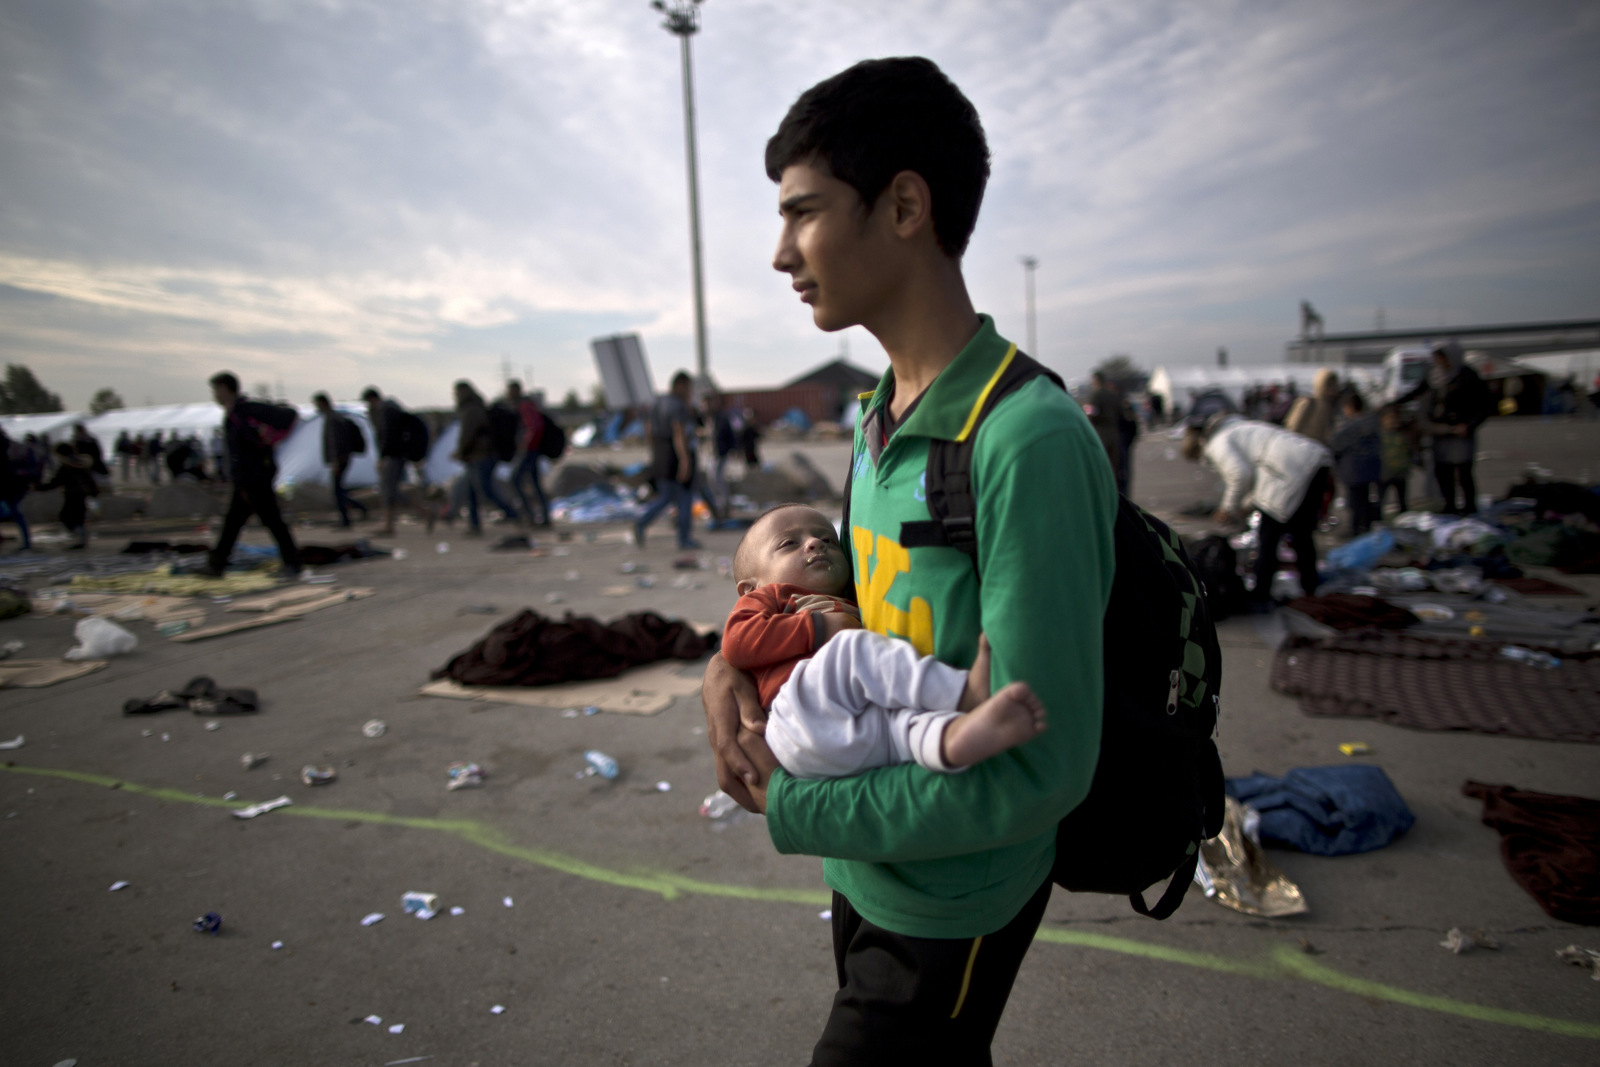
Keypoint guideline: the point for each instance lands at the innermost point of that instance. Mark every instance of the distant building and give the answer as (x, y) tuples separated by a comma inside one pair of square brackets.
[(822, 393), (1509, 341)]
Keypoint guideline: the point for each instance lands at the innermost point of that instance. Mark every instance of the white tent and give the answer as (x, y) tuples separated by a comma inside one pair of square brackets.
[(1178, 384), (300, 454), (57, 424)]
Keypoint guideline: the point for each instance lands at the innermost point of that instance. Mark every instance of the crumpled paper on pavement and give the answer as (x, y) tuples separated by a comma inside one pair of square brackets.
[(1235, 872)]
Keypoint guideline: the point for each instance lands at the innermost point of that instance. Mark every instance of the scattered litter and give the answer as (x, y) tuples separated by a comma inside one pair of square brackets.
[(826, 915), (555, 598), (663, 787), (457, 909), (599, 763), (1432, 612), (397, 1028), (372, 920), (569, 713), (250, 760), (67, 1063), (119, 885), (15, 742), (631, 567), (442, 547), (173, 629), (375, 1020), (498, 1009), (374, 727), (213, 725), (262, 808), (230, 795), (166, 737), (100, 638), (422, 905), (209, 923), (276, 945), (477, 609), (398, 554), (645, 581), (719, 805), (506, 901), (465, 776), (572, 576), (591, 710), (408, 1059), (147, 733), (1235, 872), (1459, 941), (1530, 657), (1581, 957), (1356, 748), (312, 775)]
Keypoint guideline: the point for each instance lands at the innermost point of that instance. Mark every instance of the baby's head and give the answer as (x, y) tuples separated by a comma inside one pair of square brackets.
[(792, 544)]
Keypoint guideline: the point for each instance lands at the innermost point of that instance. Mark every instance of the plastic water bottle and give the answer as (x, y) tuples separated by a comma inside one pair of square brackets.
[(1530, 657), (601, 764)]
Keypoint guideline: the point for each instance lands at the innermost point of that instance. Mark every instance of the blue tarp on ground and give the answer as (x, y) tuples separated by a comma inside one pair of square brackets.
[(1326, 811)]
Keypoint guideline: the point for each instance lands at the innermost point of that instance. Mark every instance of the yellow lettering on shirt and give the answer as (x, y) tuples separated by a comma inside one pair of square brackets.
[(875, 575)]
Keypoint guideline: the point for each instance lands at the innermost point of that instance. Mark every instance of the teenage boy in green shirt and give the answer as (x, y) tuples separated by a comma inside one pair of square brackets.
[(939, 881)]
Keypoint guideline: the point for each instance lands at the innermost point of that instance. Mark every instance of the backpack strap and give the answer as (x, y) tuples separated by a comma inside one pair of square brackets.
[(951, 500)]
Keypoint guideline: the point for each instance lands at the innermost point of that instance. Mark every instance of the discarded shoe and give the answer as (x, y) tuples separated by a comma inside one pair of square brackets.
[(201, 696)]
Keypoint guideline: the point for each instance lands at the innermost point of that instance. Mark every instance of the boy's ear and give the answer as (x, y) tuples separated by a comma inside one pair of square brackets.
[(746, 586), (910, 202)]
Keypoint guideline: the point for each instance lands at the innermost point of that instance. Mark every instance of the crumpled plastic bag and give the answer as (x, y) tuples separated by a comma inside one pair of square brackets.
[(1236, 873), (100, 639)]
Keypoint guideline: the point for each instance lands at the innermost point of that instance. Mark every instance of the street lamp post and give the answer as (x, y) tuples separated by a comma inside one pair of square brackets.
[(1028, 265), (683, 21)]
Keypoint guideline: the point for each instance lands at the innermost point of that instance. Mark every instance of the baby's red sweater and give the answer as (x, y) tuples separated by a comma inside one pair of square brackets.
[(772, 628)]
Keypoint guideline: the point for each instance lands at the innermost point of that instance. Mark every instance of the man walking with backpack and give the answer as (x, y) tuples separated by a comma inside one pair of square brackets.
[(341, 439), (401, 437), (939, 883), (250, 430), (532, 427)]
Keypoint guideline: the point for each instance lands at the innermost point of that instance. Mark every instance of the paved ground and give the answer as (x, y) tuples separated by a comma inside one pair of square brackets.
[(641, 933)]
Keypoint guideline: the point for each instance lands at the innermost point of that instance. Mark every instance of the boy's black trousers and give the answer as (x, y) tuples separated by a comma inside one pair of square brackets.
[(919, 1000)]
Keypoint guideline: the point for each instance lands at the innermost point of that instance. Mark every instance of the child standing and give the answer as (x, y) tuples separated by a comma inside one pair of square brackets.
[(75, 478), (1398, 456)]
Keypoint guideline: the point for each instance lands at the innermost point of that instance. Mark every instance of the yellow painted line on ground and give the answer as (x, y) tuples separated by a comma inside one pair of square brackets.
[(1285, 962)]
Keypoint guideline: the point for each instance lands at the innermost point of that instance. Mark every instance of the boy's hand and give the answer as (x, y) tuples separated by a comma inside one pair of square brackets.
[(732, 703), (830, 623)]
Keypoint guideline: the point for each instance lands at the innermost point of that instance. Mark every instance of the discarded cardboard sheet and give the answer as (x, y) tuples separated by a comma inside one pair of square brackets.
[(121, 608), (162, 580), (37, 673), (282, 598), (642, 691), (283, 614)]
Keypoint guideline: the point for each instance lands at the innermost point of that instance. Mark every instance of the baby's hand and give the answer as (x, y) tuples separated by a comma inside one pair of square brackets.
[(831, 622)]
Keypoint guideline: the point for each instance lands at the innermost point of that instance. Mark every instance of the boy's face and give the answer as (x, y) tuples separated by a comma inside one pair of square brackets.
[(841, 259), (797, 546)]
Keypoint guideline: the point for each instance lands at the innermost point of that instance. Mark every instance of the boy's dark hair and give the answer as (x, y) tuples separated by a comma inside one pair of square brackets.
[(883, 116), (227, 381), (1353, 401), (370, 393), (681, 379), (321, 398)]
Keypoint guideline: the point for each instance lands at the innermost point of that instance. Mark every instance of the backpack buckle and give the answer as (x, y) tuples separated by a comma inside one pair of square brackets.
[(961, 532)]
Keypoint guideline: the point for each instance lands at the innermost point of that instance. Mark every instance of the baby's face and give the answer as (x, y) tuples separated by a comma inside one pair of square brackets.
[(798, 546)]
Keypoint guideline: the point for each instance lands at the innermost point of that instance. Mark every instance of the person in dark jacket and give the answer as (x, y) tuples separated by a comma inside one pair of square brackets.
[(1455, 402), (525, 464), (1358, 457), (247, 429), (14, 485), (338, 436), (74, 476), (475, 451)]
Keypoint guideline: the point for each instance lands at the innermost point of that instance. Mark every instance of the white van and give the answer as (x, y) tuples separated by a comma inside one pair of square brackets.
[(1403, 368)]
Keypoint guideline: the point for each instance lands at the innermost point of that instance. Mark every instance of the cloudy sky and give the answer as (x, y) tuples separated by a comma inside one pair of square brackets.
[(322, 194)]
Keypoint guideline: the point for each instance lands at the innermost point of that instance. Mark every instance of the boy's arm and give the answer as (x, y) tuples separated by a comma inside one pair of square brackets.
[(1045, 514), (759, 633)]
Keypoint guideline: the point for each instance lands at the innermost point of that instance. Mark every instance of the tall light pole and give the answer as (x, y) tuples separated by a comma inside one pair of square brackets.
[(1028, 266), (683, 20)]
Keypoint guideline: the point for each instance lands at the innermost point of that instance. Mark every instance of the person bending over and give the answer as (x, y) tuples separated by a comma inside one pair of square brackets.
[(841, 699)]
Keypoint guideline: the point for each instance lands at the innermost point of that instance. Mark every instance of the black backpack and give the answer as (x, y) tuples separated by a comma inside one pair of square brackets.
[(413, 436), (349, 435), (554, 441), (1157, 791), (505, 427)]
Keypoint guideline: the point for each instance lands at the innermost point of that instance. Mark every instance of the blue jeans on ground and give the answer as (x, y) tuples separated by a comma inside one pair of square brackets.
[(480, 483), (668, 492), (529, 469)]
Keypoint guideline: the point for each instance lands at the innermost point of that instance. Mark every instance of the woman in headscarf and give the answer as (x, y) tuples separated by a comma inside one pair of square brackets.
[(1454, 405), (1285, 475), (1316, 415)]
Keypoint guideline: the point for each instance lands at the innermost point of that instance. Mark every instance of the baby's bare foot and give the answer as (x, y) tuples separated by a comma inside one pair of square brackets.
[(1011, 717), (976, 691)]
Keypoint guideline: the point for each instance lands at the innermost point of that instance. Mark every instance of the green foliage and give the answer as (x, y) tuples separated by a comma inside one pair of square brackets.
[(21, 393), (572, 401), (105, 400)]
